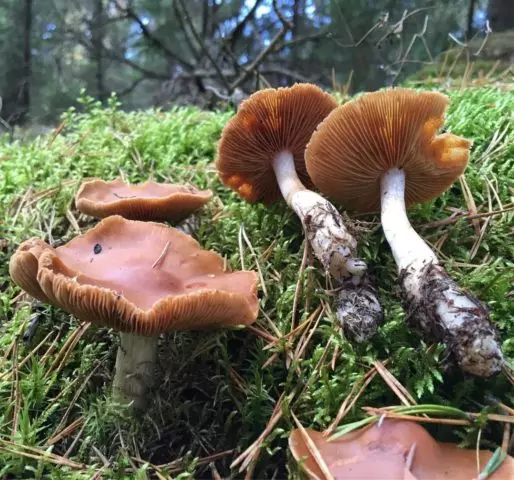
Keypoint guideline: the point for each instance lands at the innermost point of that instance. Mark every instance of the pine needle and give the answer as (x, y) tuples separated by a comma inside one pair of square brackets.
[(163, 253), (313, 450)]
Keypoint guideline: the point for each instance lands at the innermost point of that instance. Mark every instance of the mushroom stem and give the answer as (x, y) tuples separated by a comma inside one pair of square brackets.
[(434, 302), (331, 242), (135, 368), (357, 306)]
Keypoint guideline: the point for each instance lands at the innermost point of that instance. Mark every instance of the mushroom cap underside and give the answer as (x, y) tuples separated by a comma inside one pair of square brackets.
[(361, 140), (381, 452), (137, 277), (268, 122), (148, 200)]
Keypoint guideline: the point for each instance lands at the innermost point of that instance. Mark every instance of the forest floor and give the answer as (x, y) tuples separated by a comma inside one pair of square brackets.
[(219, 392)]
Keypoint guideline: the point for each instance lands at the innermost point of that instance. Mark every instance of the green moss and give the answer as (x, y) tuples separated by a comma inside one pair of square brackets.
[(199, 408)]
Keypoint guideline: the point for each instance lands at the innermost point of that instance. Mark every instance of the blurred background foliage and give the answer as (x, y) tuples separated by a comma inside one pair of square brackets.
[(176, 52)]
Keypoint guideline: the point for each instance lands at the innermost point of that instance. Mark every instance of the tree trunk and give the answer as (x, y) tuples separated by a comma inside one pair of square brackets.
[(297, 16), (298, 9), (24, 92), (471, 13), (97, 41), (501, 15)]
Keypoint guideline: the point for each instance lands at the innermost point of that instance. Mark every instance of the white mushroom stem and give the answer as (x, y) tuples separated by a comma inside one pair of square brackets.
[(434, 301), (137, 354), (407, 246), (330, 240), (356, 300), (135, 368)]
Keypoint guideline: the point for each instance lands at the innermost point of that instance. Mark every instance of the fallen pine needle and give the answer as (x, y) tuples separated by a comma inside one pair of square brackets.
[(270, 361), (494, 417), (56, 133), (65, 432), (464, 215), (294, 332), (410, 413), (67, 348), (160, 258), (27, 358), (400, 391), (414, 418), (306, 337), (38, 454), (256, 258), (313, 450), (493, 464), (349, 402), (299, 287), (74, 400), (173, 466), (248, 453), (506, 438), (470, 202), (261, 333)]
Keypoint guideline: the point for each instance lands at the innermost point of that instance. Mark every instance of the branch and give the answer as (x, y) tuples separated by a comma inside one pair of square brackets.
[(189, 41), (421, 36), (286, 25), (205, 17), (82, 40), (150, 37), (132, 87), (116, 57), (283, 20), (267, 70), (229, 43), (239, 28), (304, 39), (397, 27), (90, 22), (202, 45), (147, 73)]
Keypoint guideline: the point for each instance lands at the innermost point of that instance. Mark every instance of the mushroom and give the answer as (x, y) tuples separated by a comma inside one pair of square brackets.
[(261, 157), (394, 449), (381, 150), (141, 279), (145, 201)]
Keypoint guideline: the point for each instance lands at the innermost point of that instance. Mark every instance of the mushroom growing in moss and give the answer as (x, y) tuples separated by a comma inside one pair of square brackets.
[(381, 151), (261, 157), (149, 200), (394, 449), (141, 279)]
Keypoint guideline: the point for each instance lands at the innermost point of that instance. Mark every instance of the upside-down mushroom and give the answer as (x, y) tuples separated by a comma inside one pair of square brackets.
[(261, 157), (381, 151), (149, 200), (392, 450), (141, 279)]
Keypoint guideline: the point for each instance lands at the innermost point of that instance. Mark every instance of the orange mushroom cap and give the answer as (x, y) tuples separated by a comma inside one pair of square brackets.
[(380, 453), (361, 140), (24, 265), (137, 277), (268, 122), (145, 201)]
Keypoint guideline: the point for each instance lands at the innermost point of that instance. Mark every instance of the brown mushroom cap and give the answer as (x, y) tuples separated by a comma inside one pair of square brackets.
[(380, 453), (145, 201), (361, 140), (137, 277), (23, 267), (268, 122)]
